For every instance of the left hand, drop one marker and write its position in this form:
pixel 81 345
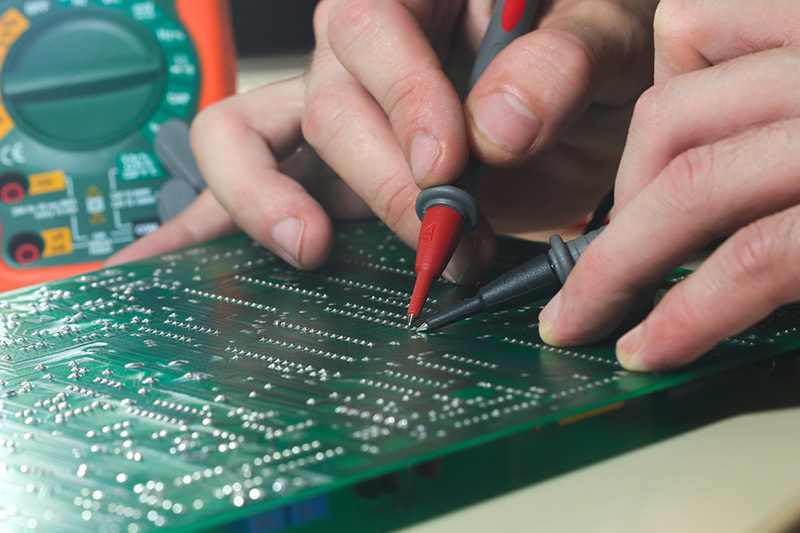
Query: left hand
pixel 547 117
pixel 712 152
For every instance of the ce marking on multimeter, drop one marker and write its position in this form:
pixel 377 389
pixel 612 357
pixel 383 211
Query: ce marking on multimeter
pixel 13 154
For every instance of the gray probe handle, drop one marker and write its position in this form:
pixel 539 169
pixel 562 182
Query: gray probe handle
pixel 496 38
pixel 460 195
pixel 563 255
pixel 172 148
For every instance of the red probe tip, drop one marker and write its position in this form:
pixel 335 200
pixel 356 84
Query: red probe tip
pixel 441 230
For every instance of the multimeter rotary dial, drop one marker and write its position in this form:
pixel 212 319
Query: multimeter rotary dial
pixel 83 78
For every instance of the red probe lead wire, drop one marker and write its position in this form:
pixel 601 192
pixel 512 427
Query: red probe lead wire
pixel 512 14
pixel 441 230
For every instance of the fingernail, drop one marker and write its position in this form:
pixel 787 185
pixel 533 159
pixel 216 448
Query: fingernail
pixel 629 348
pixel 424 151
pixel 287 235
pixel 462 260
pixel 507 122
pixel 548 316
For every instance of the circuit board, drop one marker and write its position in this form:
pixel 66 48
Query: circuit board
pixel 195 389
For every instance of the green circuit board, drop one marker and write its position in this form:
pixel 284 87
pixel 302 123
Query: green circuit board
pixel 198 388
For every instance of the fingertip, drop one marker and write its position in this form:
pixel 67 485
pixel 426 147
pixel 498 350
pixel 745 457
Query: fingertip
pixel 316 245
pixel 425 151
pixel 303 242
pixel 548 318
pixel 642 351
pixel 385 50
pixel 503 128
pixel 628 350
pixel 566 320
pixel 166 239
pixel 445 163
pixel 287 235
pixel 463 260
pixel 212 122
pixel 117 259
pixel 473 256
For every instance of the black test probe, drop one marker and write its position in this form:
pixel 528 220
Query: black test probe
pixel 537 278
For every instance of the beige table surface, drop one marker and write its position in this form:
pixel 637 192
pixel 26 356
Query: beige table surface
pixel 738 475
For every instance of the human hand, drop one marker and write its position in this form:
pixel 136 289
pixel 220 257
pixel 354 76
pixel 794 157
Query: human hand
pixel 377 106
pixel 261 125
pixel 711 153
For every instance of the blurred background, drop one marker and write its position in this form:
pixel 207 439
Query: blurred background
pixel 273 39
pixel 272 26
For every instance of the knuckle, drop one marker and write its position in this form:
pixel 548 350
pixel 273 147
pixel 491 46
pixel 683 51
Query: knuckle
pixel 684 308
pixel 567 58
pixel 790 56
pixel 211 116
pixel 204 121
pixel 315 117
pixel 789 233
pixel 687 181
pixel 321 17
pixel 650 110
pixel 323 117
pixel 753 251
pixel 784 227
pixel 789 228
pixel 616 14
pixel 406 97
pixel 674 21
pixel 765 254
pixel 392 203
pixel 350 20
pixel 211 120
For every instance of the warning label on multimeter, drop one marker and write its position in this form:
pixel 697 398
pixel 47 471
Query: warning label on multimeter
pixel 138 166
pixel 85 86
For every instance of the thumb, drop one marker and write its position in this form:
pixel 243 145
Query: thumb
pixel 596 51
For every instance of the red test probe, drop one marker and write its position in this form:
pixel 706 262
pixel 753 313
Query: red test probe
pixel 448 211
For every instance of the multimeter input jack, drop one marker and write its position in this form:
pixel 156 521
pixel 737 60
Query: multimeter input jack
pixel 26 248
pixel 13 188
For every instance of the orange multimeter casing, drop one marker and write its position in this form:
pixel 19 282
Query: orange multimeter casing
pixel 209 24
pixel 85 85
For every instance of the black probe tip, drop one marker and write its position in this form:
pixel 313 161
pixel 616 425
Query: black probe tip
pixel 460 311
pixel 533 280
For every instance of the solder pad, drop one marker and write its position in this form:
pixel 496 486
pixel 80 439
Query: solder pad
pixel 211 384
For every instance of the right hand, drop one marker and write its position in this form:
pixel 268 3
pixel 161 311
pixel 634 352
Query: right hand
pixel 712 155
pixel 549 116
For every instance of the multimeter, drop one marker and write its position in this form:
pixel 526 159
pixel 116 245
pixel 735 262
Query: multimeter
pixel 86 85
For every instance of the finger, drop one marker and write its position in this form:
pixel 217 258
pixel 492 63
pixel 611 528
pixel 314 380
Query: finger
pixel 750 275
pixel 708 192
pixel 473 256
pixel 351 132
pixel 693 35
pixel 541 83
pixel 203 220
pixel 385 47
pixel 705 106
pixel 321 182
pixel 341 122
pixel 352 135
pixel 236 143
